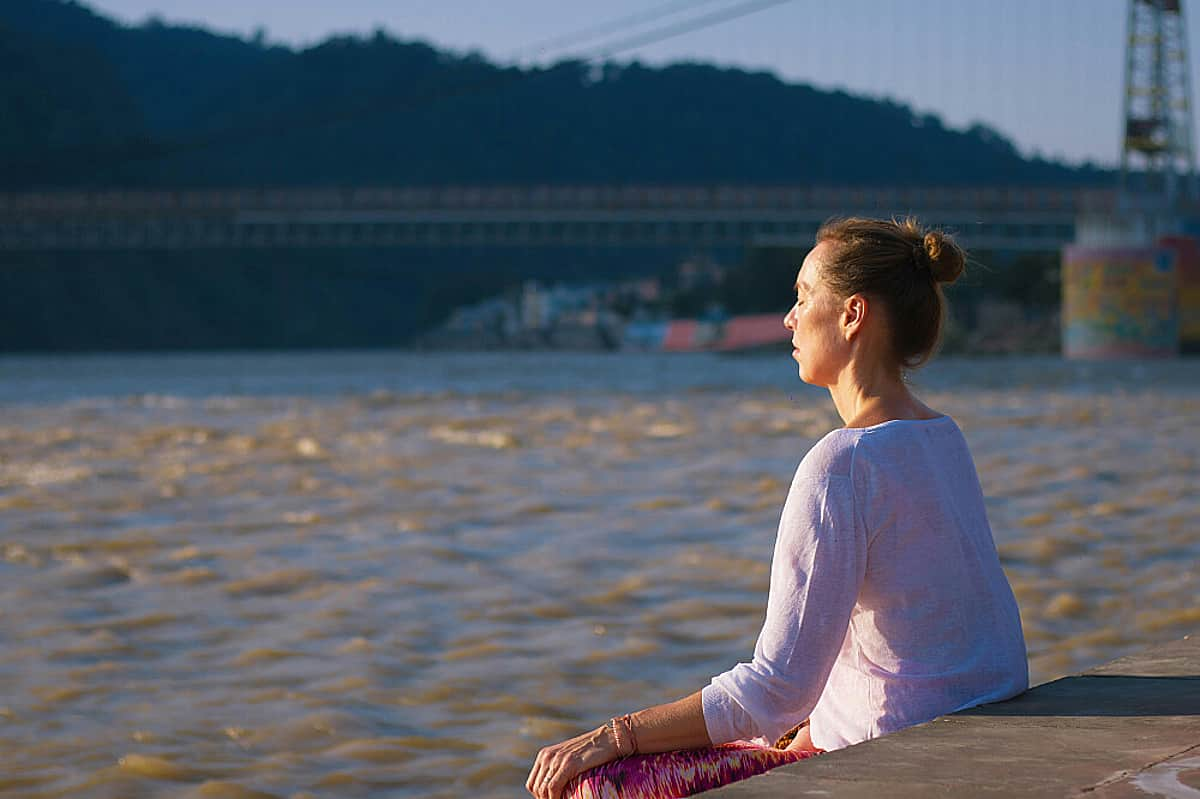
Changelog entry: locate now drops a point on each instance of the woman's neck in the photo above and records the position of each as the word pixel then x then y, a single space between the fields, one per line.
pixel 868 397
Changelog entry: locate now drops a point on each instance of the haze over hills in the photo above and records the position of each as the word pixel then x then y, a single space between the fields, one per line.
pixel 88 102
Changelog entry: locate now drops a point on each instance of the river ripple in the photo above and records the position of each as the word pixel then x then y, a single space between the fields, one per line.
pixel 383 588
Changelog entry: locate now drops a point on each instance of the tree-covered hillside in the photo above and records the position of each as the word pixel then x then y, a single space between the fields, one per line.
pixel 86 101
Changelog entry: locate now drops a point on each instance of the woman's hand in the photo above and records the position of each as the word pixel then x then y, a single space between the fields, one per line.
pixel 557 765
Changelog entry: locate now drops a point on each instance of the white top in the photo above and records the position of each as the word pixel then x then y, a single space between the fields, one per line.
pixel 888 606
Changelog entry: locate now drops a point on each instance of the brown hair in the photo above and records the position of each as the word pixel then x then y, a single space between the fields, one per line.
pixel 901 263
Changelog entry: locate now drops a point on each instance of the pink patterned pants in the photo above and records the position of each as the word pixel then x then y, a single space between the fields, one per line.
pixel 667 775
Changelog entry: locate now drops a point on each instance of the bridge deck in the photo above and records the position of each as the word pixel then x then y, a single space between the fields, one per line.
pixel 527 216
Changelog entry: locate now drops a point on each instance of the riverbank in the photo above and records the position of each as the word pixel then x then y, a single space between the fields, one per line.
pixel 1128 728
pixel 998 329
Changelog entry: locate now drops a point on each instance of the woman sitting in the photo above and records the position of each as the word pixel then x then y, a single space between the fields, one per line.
pixel 887 605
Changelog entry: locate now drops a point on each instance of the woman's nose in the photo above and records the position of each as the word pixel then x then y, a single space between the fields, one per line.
pixel 787 318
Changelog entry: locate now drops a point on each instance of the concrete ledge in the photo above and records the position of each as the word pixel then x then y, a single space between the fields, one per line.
pixel 1129 728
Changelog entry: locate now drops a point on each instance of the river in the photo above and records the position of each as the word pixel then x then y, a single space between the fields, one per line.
pixel 397 575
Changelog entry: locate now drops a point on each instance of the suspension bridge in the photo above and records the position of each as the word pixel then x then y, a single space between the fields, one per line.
pixel 538 216
pixel 986 218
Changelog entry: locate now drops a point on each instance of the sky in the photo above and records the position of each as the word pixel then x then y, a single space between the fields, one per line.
pixel 1046 73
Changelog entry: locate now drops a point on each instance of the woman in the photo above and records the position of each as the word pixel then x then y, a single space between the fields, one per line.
pixel 887 606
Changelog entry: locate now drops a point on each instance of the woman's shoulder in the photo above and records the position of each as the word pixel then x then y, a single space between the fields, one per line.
pixel 833 454
pixel 838 450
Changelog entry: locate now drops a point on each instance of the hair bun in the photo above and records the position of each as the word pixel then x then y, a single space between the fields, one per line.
pixel 946 259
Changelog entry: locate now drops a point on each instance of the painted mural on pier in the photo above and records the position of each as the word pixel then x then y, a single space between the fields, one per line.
pixel 1120 301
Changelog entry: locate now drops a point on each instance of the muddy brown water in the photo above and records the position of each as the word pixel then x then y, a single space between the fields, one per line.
pixel 343 575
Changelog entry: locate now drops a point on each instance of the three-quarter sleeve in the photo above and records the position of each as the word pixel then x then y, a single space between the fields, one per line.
pixel 816 571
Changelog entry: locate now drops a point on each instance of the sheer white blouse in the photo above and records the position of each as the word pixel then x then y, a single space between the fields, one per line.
pixel 887 606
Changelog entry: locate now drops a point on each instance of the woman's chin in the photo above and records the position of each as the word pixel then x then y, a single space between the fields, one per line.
pixel 799 365
pixel 806 377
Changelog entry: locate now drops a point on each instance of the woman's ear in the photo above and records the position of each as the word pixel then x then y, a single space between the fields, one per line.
pixel 854 315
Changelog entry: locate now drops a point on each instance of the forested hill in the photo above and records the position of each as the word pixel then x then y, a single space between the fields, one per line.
pixel 85 101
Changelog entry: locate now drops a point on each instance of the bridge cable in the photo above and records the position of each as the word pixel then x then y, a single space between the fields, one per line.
pixel 687 26
pixel 569 40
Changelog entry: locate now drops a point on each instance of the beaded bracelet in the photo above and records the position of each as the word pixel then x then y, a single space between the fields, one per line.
pixel 628 719
pixel 614 725
pixel 616 735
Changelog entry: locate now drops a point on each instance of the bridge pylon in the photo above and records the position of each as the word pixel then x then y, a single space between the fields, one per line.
pixel 1158 161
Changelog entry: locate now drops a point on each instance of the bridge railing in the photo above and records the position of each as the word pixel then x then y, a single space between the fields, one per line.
pixel 561 197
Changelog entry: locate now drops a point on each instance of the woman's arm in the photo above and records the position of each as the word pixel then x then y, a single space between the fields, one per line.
pixel 662 728
pixel 675 725
pixel 816 572
pixel 817 569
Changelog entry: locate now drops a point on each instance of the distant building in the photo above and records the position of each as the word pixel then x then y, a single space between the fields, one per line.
pixel 693 273
pixel 542 307
pixel 496 316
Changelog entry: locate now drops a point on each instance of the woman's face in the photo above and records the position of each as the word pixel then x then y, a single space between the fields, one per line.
pixel 818 347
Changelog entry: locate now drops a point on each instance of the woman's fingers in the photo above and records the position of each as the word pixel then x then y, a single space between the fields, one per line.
pixel 562 770
pixel 546 781
pixel 554 786
pixel 537 774
pixel 532 780
pixel 567 769
pixel 555 766
pixel 552 780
